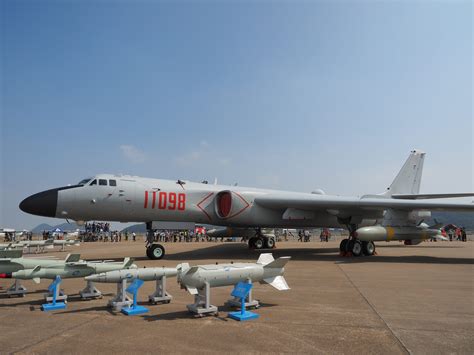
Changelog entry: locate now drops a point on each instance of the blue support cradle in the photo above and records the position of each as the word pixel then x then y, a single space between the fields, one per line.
pixel 54 289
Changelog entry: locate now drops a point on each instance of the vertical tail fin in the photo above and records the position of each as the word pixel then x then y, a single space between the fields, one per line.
pixel 409 177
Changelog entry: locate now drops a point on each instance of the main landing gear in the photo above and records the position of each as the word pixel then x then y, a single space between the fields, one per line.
pixel 354 247
pixel 262 241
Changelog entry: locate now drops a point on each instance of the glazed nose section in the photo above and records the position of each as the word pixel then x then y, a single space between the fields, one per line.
pixel 41 204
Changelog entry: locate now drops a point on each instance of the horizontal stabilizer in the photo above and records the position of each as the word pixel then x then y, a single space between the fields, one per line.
pixel 11 254
pixel 430 196
pixel 72 258
pixel 278 282
pixel 278 263
pixel 265 258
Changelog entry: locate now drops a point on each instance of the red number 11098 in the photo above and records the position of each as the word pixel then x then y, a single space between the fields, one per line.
pixel 165 200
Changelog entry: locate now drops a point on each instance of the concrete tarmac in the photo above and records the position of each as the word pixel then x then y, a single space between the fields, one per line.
pixel 407 299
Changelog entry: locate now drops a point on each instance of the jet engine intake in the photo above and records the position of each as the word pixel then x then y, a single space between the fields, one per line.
pixel 230 204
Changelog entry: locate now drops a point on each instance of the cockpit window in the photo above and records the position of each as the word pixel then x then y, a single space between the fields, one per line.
pixel 85 181
pixel 112 183
pixel 93 182
pixel 102 182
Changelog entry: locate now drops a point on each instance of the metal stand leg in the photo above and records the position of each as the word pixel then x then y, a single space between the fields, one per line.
pixel 121 299
pixel 160 294
pixel 17 289
pixel 202 302
pixel 249 301
pixel 59 296
pixel 90 291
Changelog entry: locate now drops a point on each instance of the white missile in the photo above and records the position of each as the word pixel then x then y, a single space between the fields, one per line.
pixel 71 269
pixel 145 274
pixel 265 270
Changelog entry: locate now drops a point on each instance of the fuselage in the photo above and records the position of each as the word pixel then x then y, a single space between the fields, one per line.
pixel 136 199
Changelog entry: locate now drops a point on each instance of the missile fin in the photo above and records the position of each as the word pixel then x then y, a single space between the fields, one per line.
pixel 127 262
pixel 71 258
pixel 265 258
pixel 278 282
pixel 278 263
pixel 192 270
pixel 192 290
pixel 36 268
pixel 36 280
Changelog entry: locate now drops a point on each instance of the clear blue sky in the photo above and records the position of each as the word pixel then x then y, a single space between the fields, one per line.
pixel 289 95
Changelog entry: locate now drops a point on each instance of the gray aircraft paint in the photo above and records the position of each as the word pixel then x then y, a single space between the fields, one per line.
pixel 137 199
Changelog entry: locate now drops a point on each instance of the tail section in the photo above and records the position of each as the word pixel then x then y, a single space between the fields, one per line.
pixel 409 177
pixel 278 282
pixel 265 258
pixel 278 263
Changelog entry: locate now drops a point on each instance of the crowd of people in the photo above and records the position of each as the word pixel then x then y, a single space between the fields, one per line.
pixel 453 232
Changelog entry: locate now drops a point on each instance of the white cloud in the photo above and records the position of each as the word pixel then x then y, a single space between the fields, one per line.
pixel 204 143
pixel 132 154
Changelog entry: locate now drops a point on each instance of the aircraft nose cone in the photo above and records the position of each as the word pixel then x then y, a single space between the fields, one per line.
pixel 41 204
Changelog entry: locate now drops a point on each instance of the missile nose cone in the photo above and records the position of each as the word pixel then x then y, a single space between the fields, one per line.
pixel 41 204
pixel 92 278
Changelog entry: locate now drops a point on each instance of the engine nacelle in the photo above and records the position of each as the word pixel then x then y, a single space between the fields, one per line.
pixel 230 204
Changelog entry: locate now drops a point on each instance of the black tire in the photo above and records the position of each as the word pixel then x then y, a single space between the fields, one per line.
pixel 343 245
pixel 356 248
pixel 368 248
pixel 269 243
pixel 155 252
pixel 252 243
pixel 258 243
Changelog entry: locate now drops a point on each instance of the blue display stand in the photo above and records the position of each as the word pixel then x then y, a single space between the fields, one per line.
pixel 241 290
pixel 54 289
pixel 134 309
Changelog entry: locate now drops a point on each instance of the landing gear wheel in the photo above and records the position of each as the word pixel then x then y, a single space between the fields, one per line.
pixel 258 243
pixel 343 245
pixel 356 248
pixel 368 248
pixel 155 252
pixel 270 243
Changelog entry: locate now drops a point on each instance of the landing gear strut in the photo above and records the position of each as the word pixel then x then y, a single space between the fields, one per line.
pixel 355 247
pixel 261 241
pixel 154 251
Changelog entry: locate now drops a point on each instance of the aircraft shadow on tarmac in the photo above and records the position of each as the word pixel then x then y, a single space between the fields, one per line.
pixel 233 252
pixel 237 251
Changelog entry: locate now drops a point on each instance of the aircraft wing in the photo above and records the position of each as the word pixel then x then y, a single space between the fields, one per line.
pixel 355 204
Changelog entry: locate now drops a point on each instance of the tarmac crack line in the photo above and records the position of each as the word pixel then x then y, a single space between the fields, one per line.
pixel 375 310
pixel 54 335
